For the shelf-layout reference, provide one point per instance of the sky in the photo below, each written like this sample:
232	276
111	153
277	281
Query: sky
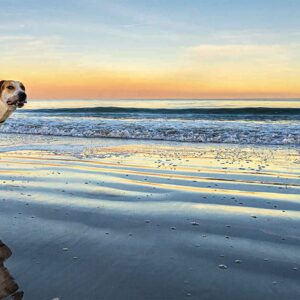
89	49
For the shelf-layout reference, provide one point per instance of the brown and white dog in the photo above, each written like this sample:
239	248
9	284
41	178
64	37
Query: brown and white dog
12	95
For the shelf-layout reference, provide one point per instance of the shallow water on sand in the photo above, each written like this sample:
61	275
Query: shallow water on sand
108	219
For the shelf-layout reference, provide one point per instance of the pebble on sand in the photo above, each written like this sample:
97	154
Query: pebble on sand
223	267
195	223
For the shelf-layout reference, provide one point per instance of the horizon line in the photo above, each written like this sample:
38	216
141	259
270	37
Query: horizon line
174	99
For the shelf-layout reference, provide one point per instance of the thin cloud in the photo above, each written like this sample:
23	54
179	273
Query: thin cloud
234	50
16	48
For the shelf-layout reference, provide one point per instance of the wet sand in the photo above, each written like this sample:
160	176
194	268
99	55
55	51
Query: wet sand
118	220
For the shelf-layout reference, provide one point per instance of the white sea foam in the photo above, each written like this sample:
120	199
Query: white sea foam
176	128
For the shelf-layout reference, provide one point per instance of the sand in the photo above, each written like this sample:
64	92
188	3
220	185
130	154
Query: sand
117	220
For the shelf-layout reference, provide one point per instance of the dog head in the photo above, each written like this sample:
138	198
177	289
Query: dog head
12	94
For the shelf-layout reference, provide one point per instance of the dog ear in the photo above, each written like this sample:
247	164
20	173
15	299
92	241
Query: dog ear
1	86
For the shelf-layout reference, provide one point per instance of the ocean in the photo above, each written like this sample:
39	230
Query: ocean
161	199
260	122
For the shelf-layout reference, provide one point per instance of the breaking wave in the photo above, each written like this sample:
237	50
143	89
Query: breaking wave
203	113
198	130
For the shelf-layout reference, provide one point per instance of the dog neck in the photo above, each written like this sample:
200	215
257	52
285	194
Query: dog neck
5	112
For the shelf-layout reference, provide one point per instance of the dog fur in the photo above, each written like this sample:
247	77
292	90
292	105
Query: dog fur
12	96
8	286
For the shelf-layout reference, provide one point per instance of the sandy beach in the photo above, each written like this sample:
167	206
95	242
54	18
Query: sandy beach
150	150
115	219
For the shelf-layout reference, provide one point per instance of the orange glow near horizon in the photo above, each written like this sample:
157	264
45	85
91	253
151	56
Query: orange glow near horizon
200	72
94	84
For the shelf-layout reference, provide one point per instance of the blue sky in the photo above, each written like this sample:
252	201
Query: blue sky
148	36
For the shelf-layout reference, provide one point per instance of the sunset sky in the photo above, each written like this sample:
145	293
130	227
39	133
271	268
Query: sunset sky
152	49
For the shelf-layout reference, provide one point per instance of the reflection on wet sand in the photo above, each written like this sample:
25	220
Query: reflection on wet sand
8	286
152	221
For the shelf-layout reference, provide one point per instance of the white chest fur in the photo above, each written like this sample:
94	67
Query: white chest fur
5	111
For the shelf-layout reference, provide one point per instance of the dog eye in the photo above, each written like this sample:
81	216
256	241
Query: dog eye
10	87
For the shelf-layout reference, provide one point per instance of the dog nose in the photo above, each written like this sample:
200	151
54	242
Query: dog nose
22	96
